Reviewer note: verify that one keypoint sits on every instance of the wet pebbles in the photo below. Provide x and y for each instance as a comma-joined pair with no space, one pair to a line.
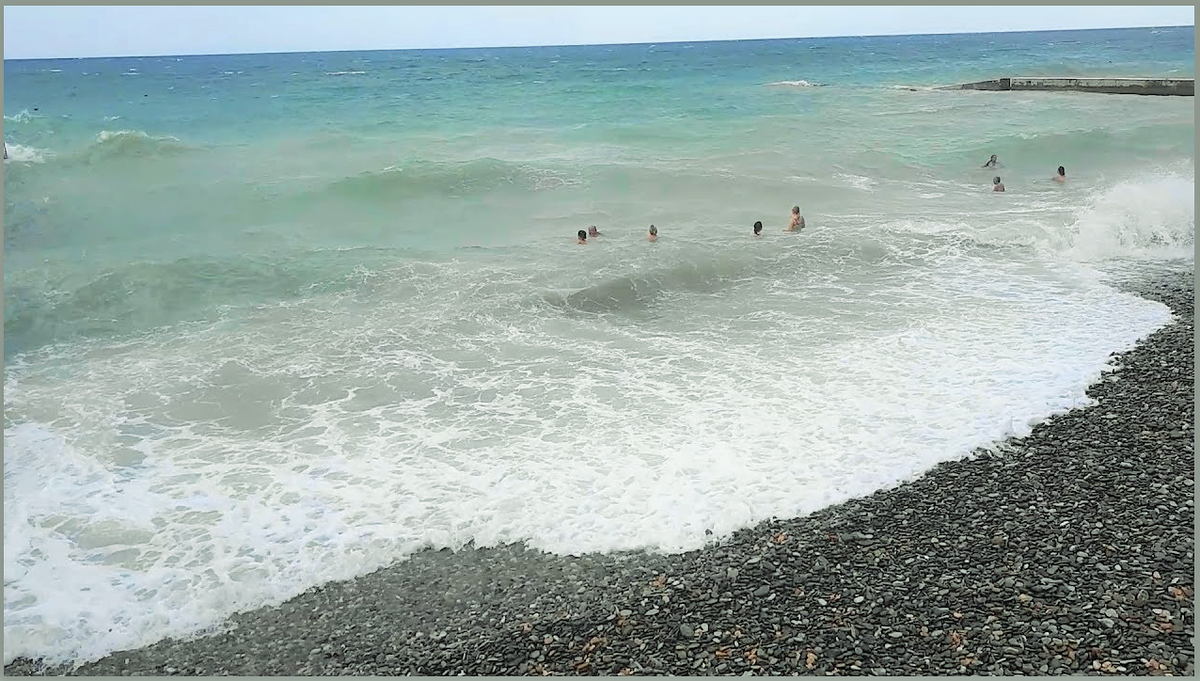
1069,551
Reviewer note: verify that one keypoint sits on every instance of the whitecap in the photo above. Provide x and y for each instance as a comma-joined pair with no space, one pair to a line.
20,153
792,83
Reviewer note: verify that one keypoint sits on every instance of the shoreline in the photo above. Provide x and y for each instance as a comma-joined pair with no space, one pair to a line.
1069,550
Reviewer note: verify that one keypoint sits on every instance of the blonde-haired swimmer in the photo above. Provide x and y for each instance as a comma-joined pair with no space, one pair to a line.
797,222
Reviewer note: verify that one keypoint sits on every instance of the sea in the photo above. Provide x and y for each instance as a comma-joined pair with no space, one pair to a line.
272,320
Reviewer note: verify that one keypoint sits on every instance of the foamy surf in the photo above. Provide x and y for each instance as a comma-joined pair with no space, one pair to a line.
190,511
859,182
23,117
1150,216
18,153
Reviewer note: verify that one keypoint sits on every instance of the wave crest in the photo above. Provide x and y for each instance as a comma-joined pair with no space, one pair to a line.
1151,216
142,296
436,177
132,144
22,154
23,117
639,291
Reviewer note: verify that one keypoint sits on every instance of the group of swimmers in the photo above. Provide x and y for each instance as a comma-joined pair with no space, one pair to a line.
998,186
796,221
795,224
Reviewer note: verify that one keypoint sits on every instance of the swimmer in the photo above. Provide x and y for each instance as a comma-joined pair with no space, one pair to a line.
997,185
592,231
1061,176
582,236
991,162
653,235
758,228
797,220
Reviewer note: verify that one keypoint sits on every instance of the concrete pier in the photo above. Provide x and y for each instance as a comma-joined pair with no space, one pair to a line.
1185,87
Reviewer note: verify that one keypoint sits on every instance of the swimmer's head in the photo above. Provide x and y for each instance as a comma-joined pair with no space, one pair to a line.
996,180
653,229
1062,171
582,235
757,226
592,231
993,158
795,210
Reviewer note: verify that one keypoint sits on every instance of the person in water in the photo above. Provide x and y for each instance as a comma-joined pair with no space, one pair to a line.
991,162
582,236
1062,175
653,235
592,231
997,185
797,222
758,228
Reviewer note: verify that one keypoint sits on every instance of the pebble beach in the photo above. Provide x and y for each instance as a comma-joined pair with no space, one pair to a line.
1067,551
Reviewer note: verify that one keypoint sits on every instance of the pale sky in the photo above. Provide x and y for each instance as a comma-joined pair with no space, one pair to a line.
40,32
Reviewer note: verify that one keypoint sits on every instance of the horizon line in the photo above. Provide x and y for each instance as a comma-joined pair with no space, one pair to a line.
605,44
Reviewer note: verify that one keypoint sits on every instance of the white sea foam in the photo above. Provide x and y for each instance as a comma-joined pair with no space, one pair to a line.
110,135
19,153
186,476
860,182
792,83
23,117
1153,215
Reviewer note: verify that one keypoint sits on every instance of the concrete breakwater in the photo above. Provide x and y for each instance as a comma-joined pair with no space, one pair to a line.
1185,87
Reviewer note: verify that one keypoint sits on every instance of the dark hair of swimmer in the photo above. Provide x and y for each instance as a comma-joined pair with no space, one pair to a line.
653,229
996,180
757,226
582,235
1062,171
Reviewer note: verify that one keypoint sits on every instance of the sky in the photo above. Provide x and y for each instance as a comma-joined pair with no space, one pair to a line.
32,32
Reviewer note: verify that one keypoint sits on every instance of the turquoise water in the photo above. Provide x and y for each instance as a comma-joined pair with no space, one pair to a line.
272,320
